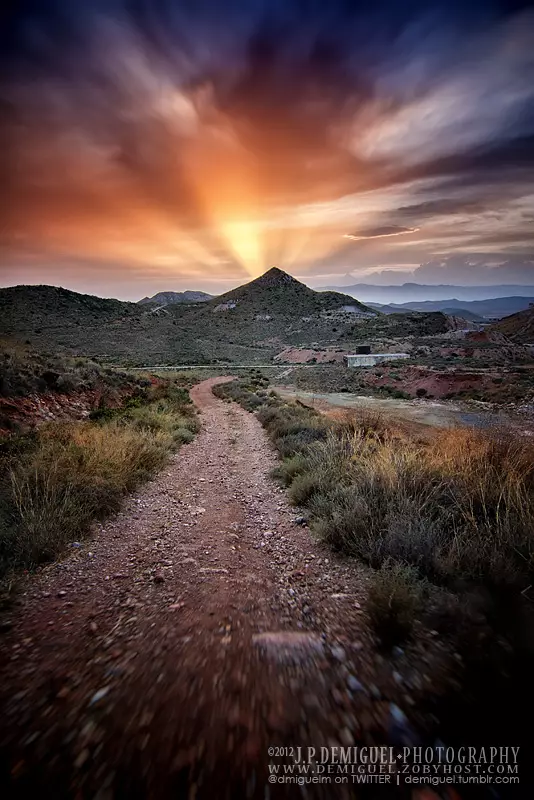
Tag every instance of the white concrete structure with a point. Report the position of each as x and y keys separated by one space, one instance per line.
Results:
x=370 y=359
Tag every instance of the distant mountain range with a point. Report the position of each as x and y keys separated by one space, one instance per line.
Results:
x=473 y=309
x=410 y=292
x=168 y=298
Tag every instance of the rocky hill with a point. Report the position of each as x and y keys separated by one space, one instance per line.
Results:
x=276 y=292
x=168 y=298
x=518 y=327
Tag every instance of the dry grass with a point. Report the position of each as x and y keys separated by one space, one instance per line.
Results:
x=455 y=509
x=394 y=602
x=459 y=506
x=69 y=474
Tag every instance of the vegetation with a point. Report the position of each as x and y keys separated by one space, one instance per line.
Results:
x=399 y=326
x=518 y=327
x=451 y=515
x=394 y=601
x=25 y=371
x=60 y=478
x=515 y=385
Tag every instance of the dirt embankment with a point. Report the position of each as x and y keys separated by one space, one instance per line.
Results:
x=199 y=627
x=25 y=413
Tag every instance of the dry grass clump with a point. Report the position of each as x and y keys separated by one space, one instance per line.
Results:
x=394 y=601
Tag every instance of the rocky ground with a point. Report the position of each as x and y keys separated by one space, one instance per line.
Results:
x=194 y=630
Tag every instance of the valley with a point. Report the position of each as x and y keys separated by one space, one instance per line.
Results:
x=277 y=320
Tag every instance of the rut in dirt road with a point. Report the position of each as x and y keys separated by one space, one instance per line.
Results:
x=198 y=627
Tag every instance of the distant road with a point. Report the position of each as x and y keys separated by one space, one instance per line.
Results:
x=222 y=366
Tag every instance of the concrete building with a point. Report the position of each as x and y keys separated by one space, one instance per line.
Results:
x=370 y=359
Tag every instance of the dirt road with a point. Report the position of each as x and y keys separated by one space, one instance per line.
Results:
x=194 y=630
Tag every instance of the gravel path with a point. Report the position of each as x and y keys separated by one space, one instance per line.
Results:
x=194 y=630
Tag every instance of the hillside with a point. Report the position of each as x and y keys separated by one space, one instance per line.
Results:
x=518 y=327
x=37 y=387
x=276 y=292
x=36 y=308
x=168 y=298
x=249 y=324
x=401 y=326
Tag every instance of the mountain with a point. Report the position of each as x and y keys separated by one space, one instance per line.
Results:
x=518 y=327
x=409 y=292
x=497 y=307
x=276 y=291
x=168 y=298
x=387 y=309
x=249 y=324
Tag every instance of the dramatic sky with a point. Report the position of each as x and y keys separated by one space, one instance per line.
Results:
x=172 y=144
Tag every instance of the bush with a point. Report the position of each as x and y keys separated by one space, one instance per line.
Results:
x=304 y=488
x=289 y=468
x=183 y=435
x=394 y=601
x=66 y=383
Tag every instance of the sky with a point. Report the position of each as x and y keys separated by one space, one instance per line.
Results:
x=192 y=144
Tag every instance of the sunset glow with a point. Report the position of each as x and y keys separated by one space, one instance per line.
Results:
x=162 y=149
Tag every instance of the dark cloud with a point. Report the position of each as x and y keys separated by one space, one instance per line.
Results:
x=470 y=270
x=462 y=270
x=378 y=233
x=436 y=208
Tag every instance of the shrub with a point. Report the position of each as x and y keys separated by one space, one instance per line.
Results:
x=289 y=468
x=183 y=435
x=304 y=487
x=66 y=383
x=394 y=601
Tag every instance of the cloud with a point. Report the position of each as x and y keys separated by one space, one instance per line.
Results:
x=476 y=271
x=379 y=233
x=461 y=269
x=154 y=131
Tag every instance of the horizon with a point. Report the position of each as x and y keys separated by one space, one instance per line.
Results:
x=482 y=292
x=159 y=150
